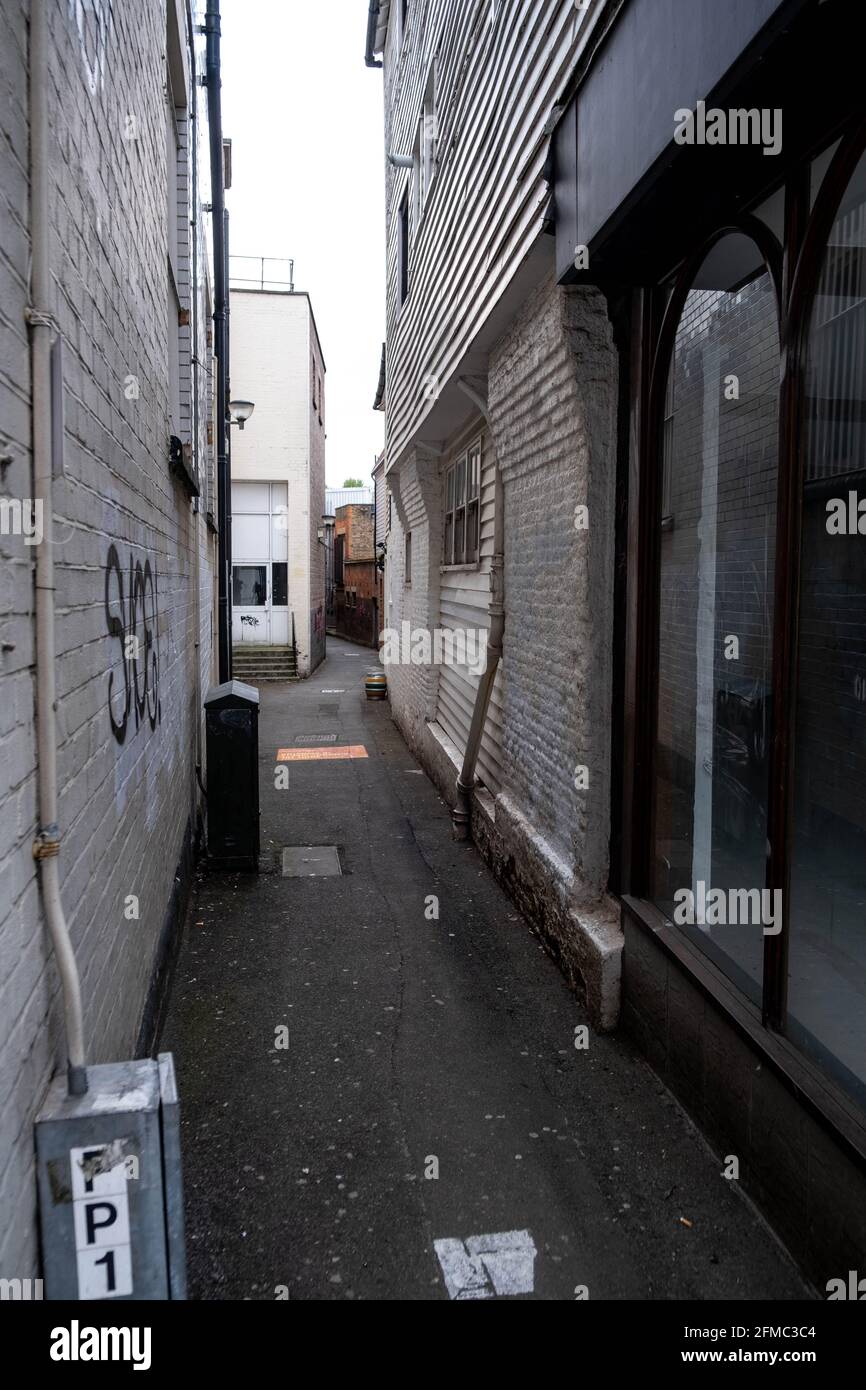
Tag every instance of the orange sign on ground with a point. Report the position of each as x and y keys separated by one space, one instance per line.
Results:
x=308 y=755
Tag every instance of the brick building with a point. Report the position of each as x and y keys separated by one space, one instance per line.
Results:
x=127 y=303
x=356 y=577
x=623 y=384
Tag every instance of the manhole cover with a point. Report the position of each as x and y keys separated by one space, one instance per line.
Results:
x=308 y=740
x=311 y=861
x=329 y=707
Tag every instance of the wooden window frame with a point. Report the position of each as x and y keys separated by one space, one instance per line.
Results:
x=461 y=512
x=654 y=315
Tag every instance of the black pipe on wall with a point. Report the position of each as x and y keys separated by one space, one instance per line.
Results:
x=220 y=319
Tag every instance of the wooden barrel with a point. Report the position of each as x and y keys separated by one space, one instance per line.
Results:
x=376 y=684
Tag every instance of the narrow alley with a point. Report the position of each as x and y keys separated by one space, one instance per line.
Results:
x=432 y=671
x=416 y=1043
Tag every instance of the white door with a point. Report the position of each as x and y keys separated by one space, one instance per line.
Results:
x=259 y=563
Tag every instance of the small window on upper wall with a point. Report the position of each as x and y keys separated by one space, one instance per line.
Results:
x=313 y=374
x=403 y=248
x=407 y=572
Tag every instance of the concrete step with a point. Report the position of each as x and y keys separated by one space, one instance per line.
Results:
x=252 y=662
x=263 y=661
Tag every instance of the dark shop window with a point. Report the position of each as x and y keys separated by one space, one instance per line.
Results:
x=748 y=662
x=827 y=952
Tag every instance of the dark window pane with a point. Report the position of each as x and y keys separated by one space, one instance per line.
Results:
x=403 y=248
x=249 y=586
x=720 y=456
x=827 y=957
x=459 y=531
x=472 y=531
x=280 y=583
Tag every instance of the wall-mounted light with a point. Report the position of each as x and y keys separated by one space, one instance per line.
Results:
x=240 y=412
x=401 y=161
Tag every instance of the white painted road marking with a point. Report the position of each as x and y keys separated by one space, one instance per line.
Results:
x=505 y=1261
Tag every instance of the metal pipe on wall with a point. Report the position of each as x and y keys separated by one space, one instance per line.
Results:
x=197 y=367
x=46 y=846
x=217 y=171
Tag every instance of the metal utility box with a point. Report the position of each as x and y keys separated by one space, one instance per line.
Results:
x=232 y=725
x=110 y=1189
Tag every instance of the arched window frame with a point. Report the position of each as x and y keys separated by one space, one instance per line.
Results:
x=795 y=269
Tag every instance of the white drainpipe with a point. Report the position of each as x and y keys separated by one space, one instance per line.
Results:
x=461 y=814
x=47 y=843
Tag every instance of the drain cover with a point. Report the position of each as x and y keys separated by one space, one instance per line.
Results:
x=307 y=740
x=311 y=861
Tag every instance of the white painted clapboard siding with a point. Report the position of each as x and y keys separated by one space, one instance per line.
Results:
x=496 y=86
x=464 y=601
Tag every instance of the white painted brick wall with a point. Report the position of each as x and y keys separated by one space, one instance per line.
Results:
x=125 y=809
x=552 y=385
x=552 y=404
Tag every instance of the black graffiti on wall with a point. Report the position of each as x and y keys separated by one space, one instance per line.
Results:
x=132 y=616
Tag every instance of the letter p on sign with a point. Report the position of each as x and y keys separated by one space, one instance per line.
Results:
x=101 y=1216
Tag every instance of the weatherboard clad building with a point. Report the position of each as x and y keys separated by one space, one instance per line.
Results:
x=127 y=307
x=278 y=486
x=626 y=355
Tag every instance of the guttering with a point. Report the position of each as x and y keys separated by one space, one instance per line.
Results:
x=46 y=847
x=217 y=177
x=372 y=22
x=462 y=812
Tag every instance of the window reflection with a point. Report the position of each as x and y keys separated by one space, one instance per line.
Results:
x=827 y=957
x=716 y=591
x=249 y=587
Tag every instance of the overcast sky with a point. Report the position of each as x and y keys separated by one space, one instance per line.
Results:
x=304 y=115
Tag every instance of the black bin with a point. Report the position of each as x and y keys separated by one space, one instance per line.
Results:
x=232 y=725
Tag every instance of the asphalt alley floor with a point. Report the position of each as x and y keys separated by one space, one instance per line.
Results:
x=417 y=1045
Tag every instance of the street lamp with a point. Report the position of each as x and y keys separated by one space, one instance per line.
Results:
x=240 y=412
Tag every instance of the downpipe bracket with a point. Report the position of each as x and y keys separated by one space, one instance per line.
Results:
x=47 y=843
x=461 y=813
